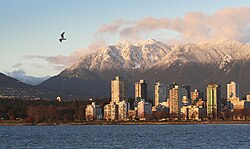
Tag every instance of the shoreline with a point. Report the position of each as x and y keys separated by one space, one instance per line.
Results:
x=20 y=123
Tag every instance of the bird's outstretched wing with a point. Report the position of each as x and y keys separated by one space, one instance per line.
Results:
x=62 y=35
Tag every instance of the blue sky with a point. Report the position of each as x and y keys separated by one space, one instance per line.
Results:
x=30 y=29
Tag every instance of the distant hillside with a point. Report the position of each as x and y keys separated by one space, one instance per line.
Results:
x=13 y=88
x=21 y=76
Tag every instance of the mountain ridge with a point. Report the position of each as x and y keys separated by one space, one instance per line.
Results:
x=156 y=61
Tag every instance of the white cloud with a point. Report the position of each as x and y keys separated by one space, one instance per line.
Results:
x=17 y=65
x=60 y=61
x=227 y=23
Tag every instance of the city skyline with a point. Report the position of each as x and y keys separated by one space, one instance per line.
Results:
x=177 y=106
x=30 y=30
x=163 y=91
x=125 y=74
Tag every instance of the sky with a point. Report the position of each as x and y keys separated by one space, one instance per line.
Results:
x=30 y=29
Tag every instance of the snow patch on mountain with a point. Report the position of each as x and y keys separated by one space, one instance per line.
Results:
x=219 y=53
x=125 y=56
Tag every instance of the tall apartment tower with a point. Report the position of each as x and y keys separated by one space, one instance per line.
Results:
x=118 y=90
x=175 y=102
x=213 y=101
x=232 y=90
x=170 y=86
x=141 y=90
x=160 y=93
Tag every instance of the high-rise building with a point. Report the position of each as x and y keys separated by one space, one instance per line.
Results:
x=118 y=89
x=175 y=102
x=123 y=108
x=141 y=90
x=170 y=86
x=213 y=101
x=232 y=90
x=160 y=93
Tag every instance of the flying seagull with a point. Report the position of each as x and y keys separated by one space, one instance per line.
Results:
x=62 y=37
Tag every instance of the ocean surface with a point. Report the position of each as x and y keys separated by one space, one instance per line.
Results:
x=126 y=136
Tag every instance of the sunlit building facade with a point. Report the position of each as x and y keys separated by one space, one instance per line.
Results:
x=160 y=93
x=118 y=90
x=123 y=108
x=144 y=110
x=141 y=90
x=233 y=92
x=175 y=102
x=213 y=101
x=93 y=112
x=111 y=111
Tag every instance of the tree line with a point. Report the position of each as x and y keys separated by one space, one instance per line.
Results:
x=37 y=111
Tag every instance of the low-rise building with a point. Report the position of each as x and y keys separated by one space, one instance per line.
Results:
x=160 y=112
x=144 y=110
x=248 y=98
x=191 y=112
x=111 y=111
x=247 y=110
x=93 y=112
x=185 y=100
x=132 y=114
x=238 y=109
x=238 y=105
x=234 y=99
x=123 y=108
x=195 y=96
x=200 y=103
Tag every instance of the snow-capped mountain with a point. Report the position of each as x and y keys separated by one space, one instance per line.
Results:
x=125 y=56
x=218 y=53
x=121 y=57
x=191 y=64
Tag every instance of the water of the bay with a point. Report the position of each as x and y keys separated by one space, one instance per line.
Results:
x=126 y=136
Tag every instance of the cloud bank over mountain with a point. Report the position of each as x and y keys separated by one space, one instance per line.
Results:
x=227 y=23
